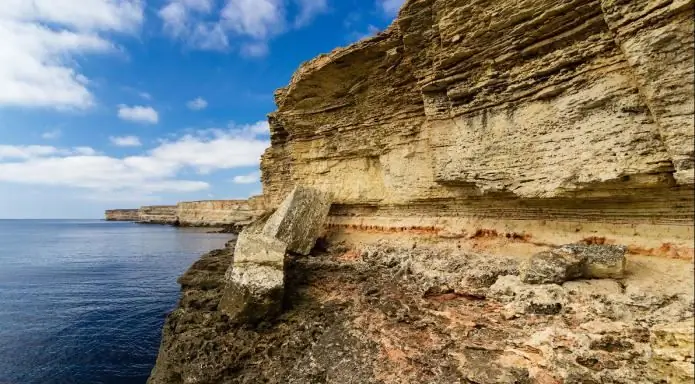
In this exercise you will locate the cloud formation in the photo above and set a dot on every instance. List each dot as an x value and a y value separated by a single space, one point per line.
251 178
155 171
52 134
249 24
197 104
125 141
41 38
138 114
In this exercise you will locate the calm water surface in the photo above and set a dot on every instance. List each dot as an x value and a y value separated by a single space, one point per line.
84 301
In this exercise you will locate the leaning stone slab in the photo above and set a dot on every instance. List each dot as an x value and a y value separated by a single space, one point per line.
259 249
298 221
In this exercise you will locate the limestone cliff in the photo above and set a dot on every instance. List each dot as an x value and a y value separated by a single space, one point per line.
122 215
157 214
502 124
219 212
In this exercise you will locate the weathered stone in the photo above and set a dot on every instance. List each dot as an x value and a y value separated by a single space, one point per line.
253 292
298 221
602 261
673 348
259 249
542 299
560 119
575 261
255 280
551 267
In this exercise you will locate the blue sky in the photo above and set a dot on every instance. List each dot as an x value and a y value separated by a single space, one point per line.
120 103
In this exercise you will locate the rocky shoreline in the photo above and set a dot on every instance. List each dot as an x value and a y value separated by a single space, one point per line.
385 314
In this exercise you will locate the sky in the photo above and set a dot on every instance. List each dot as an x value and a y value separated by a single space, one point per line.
121 103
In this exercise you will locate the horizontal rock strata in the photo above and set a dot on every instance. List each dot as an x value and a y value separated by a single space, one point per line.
157 214
122 215
219 212
541 121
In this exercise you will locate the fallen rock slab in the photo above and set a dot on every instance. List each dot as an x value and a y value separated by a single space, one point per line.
552 267
300 218
255 280
574 261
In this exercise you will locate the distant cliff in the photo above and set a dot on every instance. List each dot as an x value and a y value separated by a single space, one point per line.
122 215
218 212
543 122
158 214
208 213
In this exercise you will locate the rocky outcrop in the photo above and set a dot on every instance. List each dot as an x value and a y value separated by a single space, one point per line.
219 212
158 214
122 215
385 314
506 124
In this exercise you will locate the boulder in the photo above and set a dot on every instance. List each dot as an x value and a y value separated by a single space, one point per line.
300 218
602 261
255 280
552 267
574 261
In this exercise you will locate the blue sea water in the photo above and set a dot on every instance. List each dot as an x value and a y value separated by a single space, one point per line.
84 301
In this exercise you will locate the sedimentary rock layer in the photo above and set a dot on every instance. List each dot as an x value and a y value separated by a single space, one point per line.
158 214
537 121
219 212
122 215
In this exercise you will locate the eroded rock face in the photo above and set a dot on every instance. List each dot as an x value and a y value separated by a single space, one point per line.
122 215
558 119
158 214
219 212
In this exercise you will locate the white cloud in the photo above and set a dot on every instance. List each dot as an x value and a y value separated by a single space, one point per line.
255 49
125 141
251 178
308 9
249 24
42 37
197 104
155 171
390 7
24 152
258 19
138 114
145 95
52 134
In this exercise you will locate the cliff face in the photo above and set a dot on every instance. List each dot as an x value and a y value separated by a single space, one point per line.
157 214
219 212
519 123
122 215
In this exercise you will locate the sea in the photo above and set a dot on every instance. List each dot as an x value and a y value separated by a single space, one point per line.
84 301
